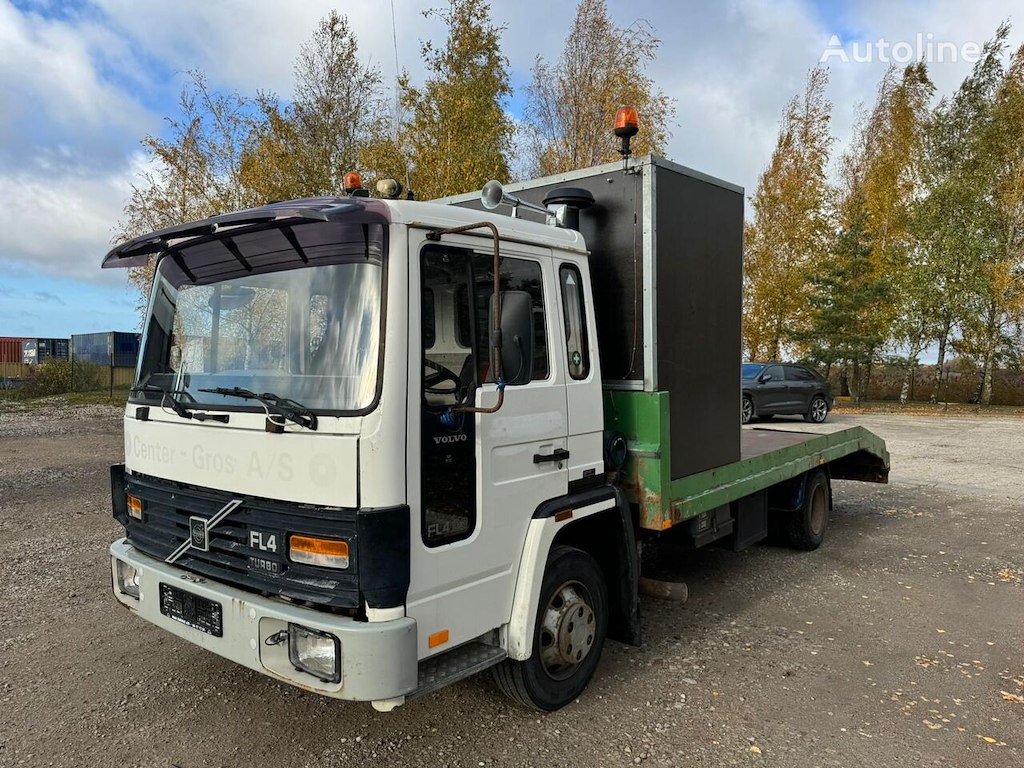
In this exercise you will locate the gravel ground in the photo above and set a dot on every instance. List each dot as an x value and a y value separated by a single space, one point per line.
900 642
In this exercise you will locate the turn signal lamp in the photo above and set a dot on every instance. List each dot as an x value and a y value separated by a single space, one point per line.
352 181
135 507
313 550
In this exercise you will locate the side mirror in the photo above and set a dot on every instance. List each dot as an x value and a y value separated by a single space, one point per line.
764 377
516 335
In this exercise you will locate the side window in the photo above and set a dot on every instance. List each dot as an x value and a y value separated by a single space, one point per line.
575 321
775 371
429 328
516 275
447 446
796 373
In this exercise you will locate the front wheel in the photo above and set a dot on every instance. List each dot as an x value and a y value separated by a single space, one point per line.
572 617
818 410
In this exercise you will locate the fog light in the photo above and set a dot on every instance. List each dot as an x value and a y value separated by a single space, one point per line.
127 579
317 653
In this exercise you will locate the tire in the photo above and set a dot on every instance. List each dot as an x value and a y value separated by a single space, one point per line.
746 410
565 651
807 524
817 411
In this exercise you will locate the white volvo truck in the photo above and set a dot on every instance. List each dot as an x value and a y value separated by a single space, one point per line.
377 445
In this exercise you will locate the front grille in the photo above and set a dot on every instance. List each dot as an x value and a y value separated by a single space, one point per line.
234 555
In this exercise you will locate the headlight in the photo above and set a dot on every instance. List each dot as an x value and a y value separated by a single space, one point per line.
313 550
127 579
317 653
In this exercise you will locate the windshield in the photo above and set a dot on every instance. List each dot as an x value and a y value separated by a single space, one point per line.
752 370
295 311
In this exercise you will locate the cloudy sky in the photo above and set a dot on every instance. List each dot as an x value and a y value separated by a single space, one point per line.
82 82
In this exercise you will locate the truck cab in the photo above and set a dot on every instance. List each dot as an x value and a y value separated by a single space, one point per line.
325 480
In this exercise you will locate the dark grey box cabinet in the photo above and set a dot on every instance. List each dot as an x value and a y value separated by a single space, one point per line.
666 261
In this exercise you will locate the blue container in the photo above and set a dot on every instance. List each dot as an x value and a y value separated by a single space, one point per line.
117 348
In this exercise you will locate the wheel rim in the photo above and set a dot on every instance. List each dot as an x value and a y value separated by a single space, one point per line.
819 510
747 409
819 409
567 630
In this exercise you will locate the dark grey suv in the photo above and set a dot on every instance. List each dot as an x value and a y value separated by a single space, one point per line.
784 388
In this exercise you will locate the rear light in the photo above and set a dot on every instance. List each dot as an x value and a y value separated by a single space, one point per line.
313 550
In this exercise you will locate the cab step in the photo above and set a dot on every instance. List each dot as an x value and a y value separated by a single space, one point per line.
456 664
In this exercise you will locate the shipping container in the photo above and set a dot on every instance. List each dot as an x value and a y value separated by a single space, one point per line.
117 348
10 348
12 372
55 348
35 351
30 352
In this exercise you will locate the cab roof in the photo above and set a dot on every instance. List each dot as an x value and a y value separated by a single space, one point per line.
426 215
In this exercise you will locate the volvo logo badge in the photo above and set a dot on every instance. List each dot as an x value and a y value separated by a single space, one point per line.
199 531
200 536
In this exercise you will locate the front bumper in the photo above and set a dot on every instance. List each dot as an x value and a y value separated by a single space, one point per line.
378 659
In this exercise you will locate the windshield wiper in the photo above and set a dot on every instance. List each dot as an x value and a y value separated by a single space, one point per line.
176 405
282 406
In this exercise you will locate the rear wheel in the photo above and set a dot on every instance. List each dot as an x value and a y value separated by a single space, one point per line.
807 524
746 409
817 412
572 617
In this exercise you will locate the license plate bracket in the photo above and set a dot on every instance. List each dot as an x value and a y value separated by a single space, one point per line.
192 610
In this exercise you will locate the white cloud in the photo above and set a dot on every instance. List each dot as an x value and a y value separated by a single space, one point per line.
54 93
81 87
61 225
252 44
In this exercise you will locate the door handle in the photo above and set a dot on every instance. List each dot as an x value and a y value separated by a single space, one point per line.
559 454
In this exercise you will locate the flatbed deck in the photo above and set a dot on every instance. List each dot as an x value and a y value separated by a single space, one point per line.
768 455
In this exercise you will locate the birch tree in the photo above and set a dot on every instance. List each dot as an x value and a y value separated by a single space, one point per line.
195 170
956 218
572 103
791 227
458 134
889 170
1000 300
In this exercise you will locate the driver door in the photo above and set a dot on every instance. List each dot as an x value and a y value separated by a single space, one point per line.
481 475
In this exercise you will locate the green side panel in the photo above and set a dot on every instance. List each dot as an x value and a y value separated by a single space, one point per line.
858 455
643 417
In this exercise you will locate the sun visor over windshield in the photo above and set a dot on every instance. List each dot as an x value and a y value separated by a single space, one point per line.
278 216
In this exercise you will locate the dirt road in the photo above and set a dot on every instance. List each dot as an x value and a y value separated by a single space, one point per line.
893 645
